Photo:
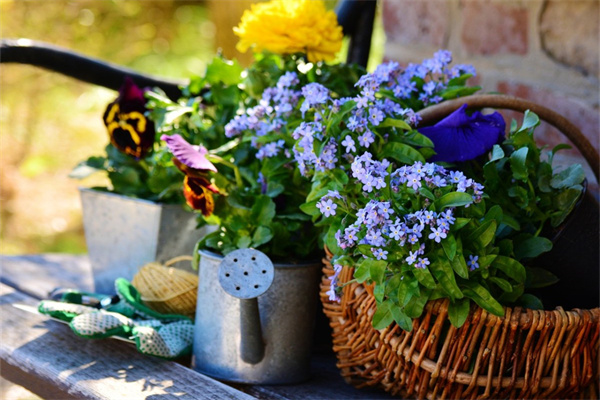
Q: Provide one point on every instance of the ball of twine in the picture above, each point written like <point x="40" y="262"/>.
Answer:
<point x="166" y="289"/>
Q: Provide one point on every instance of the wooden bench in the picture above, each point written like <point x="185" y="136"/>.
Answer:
<point x="47" y="358"/>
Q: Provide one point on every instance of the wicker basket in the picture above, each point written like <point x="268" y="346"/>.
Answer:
<point x="167" y="289"/>
<point x="525" y="354"/>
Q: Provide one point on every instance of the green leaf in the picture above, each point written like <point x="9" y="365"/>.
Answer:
<point x="531" y="247"/>
<point x="225" y="71"/>
<point x="565" y="202"/>
<point x="573" y="175"/>
<point x="444" y="274"/>
<point x="414" y="138"/>
<point x="196" y="255"/>
<point x="486" y="261"/>
<point x="310" y="208"/>
<point x="377" y="270"/>
<point x="424" y="277"/>
<point x="408" y="288"/>
<point x="483" y="235"/>
<point x="423" y="191"/>
<point x="501" y="283"/>
<point x="274" y="189"/>
<point x="494" y="213"/>
<point x="511" y="267"/>
<point x="243" y="242"/>
<point x="392" y="285"/>
<point x="539" y="278"/>
<point x="530" y="301"/>
<point x="497" y="153"/>
<point x="453" y="199"/>
<point x="370" y="269"/>
<point x="401" y="152"/>
<point x="83" y="171"/>
<point x="330" y="239"/>
<point x="458" y="311"/>
<point x="261" y="236"/>
<point x="379" y="293"/>
<point x="415" y="306"/>
<point x="518" y="164"/>
<point x="449" y="246"/>
<point x="263" y="210"/>
<point x="383" y="317"/>
<point x="361" y="273"/>
<point x="397" y="123"/>
<point x="454" y="92"/>
<point x="403" y="321"/>
<point x="459" y="265"/>
<point x="530" y="120"/>
<point x="483" y="298"/>
<point x="459" y="223"/>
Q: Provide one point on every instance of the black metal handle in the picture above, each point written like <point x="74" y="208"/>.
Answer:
<point x="356" y="18"/>
<point x="78" y="66"/>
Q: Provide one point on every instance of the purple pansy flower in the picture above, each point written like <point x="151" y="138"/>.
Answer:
<point x="461" y="137"/>
<point x="187" y="154"/>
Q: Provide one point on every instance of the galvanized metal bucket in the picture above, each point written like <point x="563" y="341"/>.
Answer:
<point x="263" y="340"/>
<point x="123" y="234"/>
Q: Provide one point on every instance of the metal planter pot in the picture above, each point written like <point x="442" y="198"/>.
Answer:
<point x="265" y="342"/>
<point x="122" y="234"/>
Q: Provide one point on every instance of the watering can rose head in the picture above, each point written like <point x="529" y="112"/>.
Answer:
<point x="128" y="128"/>
<point x="288" y="27"/>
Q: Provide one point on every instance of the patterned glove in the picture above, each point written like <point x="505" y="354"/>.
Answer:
<point x="161" y="335"/>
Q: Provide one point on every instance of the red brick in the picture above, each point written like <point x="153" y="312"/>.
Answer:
<point x="494" y="28"/>
<point x="585" y="117"/>
<point x="416" y="22"/>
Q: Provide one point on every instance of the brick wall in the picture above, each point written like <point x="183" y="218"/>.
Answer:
<point x="546" y="51"/>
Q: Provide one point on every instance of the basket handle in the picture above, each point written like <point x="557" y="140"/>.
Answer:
<point x="437" y="112"/>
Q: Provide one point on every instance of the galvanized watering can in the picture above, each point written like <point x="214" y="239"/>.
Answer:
<point x="254" y="320"/>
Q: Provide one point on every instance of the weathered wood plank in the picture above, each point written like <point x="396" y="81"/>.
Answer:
<point x="325" y="383"/>
<point x="37" y="275"/>
<point x="50" y="356"/>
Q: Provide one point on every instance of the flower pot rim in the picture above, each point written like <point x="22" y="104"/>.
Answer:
<point x="129" y="198"/>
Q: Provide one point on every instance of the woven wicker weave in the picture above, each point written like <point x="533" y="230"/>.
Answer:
<point x="525" y="354"/>
<point x="166" y="289"/>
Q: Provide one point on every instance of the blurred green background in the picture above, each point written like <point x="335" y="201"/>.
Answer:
<point x="49" y="122"/>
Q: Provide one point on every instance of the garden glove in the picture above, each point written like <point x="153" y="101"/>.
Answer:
<point x="125" y="316"/>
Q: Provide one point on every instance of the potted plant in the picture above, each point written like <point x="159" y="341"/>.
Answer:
<point x="139" y="217"/>
<point x="421" y="256"/>
<point x="251" y="190"/>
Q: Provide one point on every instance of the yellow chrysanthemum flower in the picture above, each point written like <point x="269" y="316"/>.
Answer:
<point x="291" y="26"/>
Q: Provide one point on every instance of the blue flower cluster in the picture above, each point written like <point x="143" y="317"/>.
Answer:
<point x="269" y="116"/>
<point x="381" y="95"/>
<point x="435" y="72"/>
<point x="382" y="227"/>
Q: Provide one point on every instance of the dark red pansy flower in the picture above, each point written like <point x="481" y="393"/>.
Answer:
<point x="198" y="194"/>
<point x="128" y="128"/>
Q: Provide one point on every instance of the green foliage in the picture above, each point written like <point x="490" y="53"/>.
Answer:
<point x="528" y="189"/>
<point x="260" y="196"/>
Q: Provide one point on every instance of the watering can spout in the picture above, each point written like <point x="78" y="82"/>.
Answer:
<point x="246" y="274"/>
